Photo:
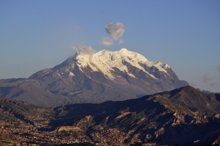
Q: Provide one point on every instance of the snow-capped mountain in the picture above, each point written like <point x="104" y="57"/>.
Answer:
<point x="105" y="75"/>
<point x="106" y="62"/>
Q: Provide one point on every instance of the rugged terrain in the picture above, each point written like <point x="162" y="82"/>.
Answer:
<point x="183" y="116"/>
<point x="93" y="78"/>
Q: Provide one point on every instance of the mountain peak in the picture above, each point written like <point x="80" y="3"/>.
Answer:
<point x="97" y="77"/>
<point x="106" y="61"/>
<point x="124" y="50"/>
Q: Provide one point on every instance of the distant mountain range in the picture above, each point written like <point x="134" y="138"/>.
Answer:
<point x="183" y="116"/>
<point x="93" y="78"/>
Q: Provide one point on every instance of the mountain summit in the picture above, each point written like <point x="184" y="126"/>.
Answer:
<point x="106" y="61"/>
<point x="98" y="77"/>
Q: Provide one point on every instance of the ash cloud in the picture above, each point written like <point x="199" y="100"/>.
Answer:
<point x="106" y="41"/>
<point x="115" y="31"/>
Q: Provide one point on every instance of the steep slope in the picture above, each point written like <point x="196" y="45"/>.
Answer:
<point x="166" y="118"/>
<point x="191" y="101"/>
<point x="186" y="100"/>
<point x="94" y="78"/>
<point x="106" y="75"/>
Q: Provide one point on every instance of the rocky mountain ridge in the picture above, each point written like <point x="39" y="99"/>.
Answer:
<point x="94" y="78"/>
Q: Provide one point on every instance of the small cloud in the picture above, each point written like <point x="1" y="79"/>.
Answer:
<point x="83" y="49"/>
<point x="192" y="84"/>
<point x="116" y="31"/>
<point x="218" y="68"/>
<point x="215" y="85"/>
<point x="106" y="41"/>
<point x="207" y="79"/>
<point x="120" y="41"/>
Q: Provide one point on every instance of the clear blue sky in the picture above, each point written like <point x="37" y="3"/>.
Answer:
<point x="184" y="34"/>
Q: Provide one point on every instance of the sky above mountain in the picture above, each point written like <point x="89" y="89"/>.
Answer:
<point x="184" y="34"/>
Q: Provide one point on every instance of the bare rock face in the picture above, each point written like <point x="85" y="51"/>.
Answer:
<point x="103" y="76"/>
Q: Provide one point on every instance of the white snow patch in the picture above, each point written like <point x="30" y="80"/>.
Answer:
<point x="131" y="75"/>
<point x="105" y="61"/>
<point x="71" y="74"/>
<point x="58" y="74"/>
<point x="166" y="66"/>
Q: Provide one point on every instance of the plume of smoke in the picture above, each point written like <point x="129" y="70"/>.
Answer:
<point x="84" y="50"/>
<point x="106" y="41"/>
<point x="120" y="41"/>
<point x="116" y="31"/>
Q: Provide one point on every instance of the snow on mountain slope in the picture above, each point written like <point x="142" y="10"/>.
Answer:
<point x="105" y="61"/>
<point x="95" y="77"/>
